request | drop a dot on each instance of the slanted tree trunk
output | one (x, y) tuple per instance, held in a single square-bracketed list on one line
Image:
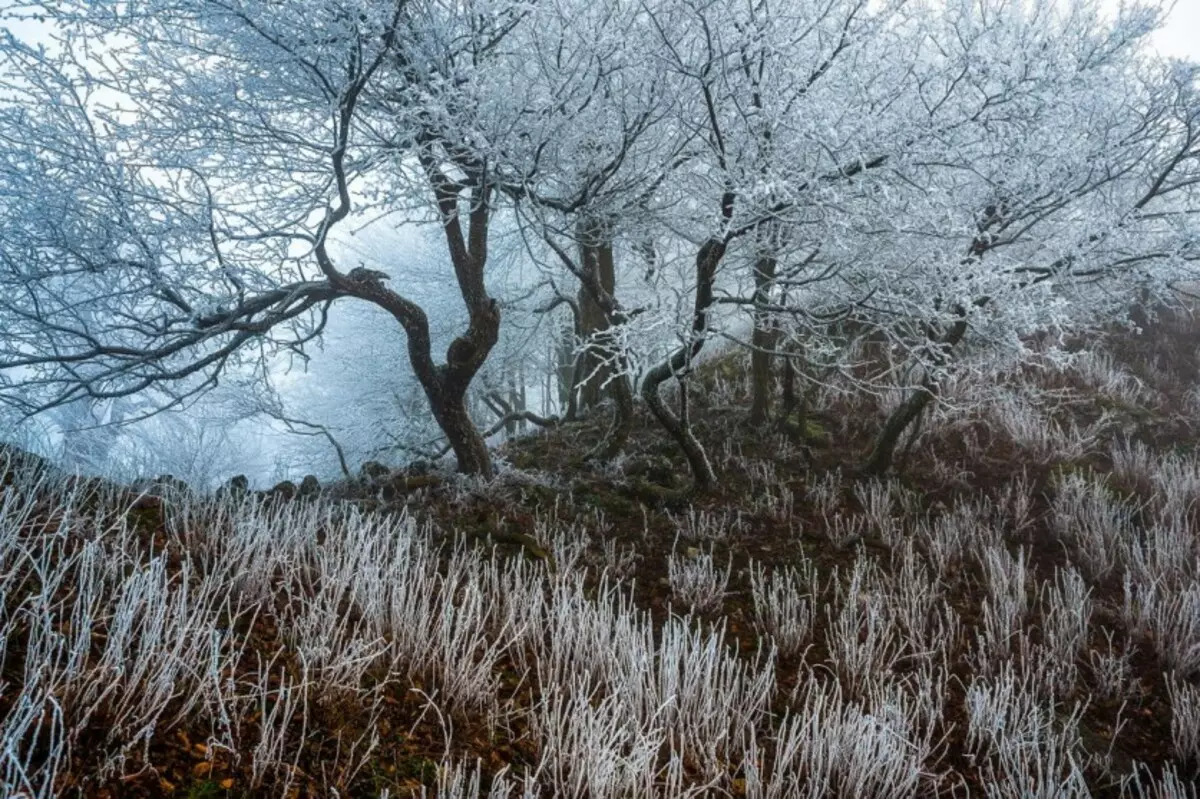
[(678, 427), (884, 449), (762, 341)]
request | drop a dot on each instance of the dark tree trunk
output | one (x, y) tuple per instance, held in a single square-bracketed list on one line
[(596, 251), (762, 342), (470, 449), (446, 385), (601, 369), (617, 437), (678, 427), (883, 451), (788, 398)]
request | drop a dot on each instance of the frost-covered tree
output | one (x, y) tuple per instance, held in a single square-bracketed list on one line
[(173, 173), (179, 179), (1056, 184), (789, 106)]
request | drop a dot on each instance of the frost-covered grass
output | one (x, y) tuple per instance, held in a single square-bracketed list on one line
[(1033, 632)]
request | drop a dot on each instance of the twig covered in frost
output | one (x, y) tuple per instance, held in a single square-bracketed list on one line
[(876, 498), (826, 494), (833, 748), (1173, 621), (864, 646), (1066, 614), (1005, 608), (590, 746), (696, 524)]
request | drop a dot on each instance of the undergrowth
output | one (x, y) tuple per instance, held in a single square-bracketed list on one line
[(1014, 614)]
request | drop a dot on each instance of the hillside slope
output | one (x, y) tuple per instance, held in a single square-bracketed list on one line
[(1016, 613)]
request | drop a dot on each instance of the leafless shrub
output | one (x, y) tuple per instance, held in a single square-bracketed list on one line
[(457, 780), (1066, 614), (1134, 464), (916, 605), (1170, 786), (826, 494), (949, 537), (620, 561), (591, 747), (1185, 719), (833, 748), (1005, 608), (779, 503), (1104, 375), (1178, 482), (709, 698), (1111, 669), (785, 605), (1096, 526), (697, 524), (1015, 505), (1166, 551), (1171, 619), (1045, 439), (863, 644), (1030, 749), (877, 499), (278, 707), (695, 581), (843, 530), (568, 542)]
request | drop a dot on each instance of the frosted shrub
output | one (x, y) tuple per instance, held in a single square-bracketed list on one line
[(785, 605), (833, 748), (700, 525), (1098, 527), (1185, 720), (1111, 668), (696, 581)]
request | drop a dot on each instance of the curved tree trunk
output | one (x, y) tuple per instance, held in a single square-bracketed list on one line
[(678, 427), (884, 449), (446, 385), (470, 449)]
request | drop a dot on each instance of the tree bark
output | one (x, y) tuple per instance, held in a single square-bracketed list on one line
[(884, 449), (470, 449), (596, 251), (603, 363), (707, 260), (446, 385), (762, 342), (617, 436)]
